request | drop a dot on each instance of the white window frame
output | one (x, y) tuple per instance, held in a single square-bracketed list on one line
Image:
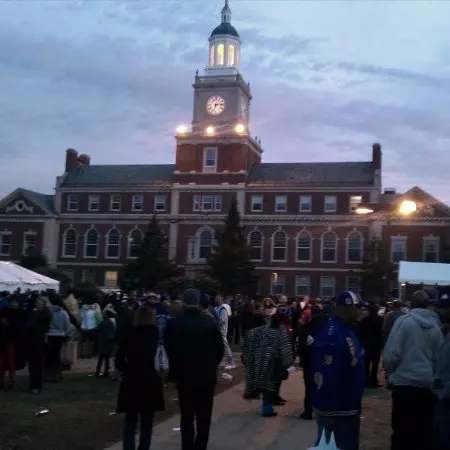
[(107, 244), (302, 233), (209, 167), (85, 244), (257, 200), (160, 200), (305, 200), (72, 200), (135, 203), (430, 239), (322, 248), (63, 252), (199, 203), (286, 247), (24, 241), (331, 285), (347, 247), (354, 202), (348, 287), (273, 286), (326, 202), (5, 233), (130, 242), (115, 200), (298, 278), (404, 241), (281, 200), (261, 248), (92, 201), (198, 242)]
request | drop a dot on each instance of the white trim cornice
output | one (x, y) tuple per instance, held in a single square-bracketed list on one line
[(308, 269)]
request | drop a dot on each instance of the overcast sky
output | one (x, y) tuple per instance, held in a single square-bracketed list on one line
[(113, 79)]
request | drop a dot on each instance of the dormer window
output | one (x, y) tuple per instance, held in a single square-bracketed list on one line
[(210, 159)]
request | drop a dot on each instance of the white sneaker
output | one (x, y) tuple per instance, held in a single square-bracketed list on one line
[(230, 367), (227, 376)]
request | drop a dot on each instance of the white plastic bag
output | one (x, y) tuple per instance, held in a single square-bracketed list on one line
[(323, 445)]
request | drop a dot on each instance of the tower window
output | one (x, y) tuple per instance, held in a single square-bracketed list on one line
[(220, 55), (211, 55), (231, 55)]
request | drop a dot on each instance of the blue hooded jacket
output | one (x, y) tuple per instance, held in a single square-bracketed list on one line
[(337, 370)]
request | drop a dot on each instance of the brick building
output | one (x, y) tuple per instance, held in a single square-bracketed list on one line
[(300, 217)]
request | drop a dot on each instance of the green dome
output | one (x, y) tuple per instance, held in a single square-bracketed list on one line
[(225, 28)]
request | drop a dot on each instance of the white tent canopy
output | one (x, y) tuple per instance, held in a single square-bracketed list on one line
[(424, 273), (13, 277)]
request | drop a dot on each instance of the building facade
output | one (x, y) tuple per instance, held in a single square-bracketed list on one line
[(300, 218)]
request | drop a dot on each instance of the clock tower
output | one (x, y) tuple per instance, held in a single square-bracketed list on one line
[(221, 111)]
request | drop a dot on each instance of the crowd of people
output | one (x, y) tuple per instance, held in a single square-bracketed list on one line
[(154, 339)]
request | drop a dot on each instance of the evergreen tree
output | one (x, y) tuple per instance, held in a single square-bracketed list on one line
[(153, 264), (33, 260), (230, 261)]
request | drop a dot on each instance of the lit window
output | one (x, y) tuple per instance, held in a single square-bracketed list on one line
[(211, 55), (354, 247), (138, 203), (160, 203), (280, 203), (5, 243), (72, 203), (277, 284), (330, 203), (305, 203), (115, 203), (231, 55), (91, 244), (220, 55), (257, 203), (210, 158), (353, 284), (134, 243), (29, 243), (113, 244), (279, 241), (70, 243), (304, 247), (398, 249), (255, 242), (111, 278), (302, 286), (327, 287), (94, 203), (431, 249), (355, 201), (329, 247)]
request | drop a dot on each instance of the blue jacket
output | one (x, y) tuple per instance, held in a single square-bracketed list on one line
[(337, 370)]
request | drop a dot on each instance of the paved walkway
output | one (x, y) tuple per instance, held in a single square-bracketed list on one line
[(237, 423)]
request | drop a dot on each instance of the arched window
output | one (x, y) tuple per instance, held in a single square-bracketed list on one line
[(91, 244), (205, 243), (304, 247), (220, 55), (70, 243), (211, 55), (134, 243), (113, 244), (354, 247), (279, 241), (231, 55), (255, 242), (329, 247)]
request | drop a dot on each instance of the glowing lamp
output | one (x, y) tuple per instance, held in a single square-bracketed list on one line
[(407, 207), (182, 129), (210, 131), (364, 210), (239, 128)]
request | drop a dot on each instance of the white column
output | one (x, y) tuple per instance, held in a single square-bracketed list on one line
[(50, 241), (240, 197), (173, 222)]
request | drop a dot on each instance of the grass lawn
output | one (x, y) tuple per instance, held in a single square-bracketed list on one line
[(79, 415)]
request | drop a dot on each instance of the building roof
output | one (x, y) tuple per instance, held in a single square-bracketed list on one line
[(107, 175), (326, 173), (44, 201), (225, 28)]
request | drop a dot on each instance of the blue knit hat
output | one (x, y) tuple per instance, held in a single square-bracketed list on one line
[(349, 298)]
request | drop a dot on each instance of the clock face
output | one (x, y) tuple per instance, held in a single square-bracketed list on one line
[(215, 105)]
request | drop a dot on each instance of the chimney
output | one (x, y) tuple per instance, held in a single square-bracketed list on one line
[(71, 159), (376, 156), (84, 160)]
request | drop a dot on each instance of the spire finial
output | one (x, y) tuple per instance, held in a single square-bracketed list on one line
[(226, 13)]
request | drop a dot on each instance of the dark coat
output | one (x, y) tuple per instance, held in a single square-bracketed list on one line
[(370, 333), (305, 338), (106, 337), (195, 349), (141, 389), (12, 326), (251, 320)]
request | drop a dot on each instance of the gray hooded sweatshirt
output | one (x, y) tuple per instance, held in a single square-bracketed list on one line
[(412, 349)]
